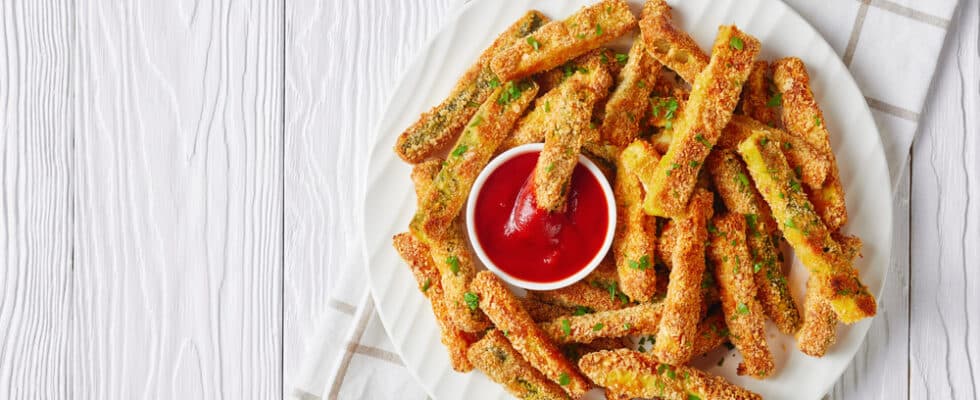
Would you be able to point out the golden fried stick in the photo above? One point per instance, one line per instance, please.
(682, 306)
(756, 97)
(707, 111)
(812, 165)
(636, 320)
(550, 79)
(733, 185)
(733, 269)
(636, 374)
(543, 312)
(819, 330)
(495, 357)
(559, 41)
(628, 103)
(506, 313)
(837, 280)
(437, 127)
(472, 151)
(422, 175)
(563, 137)
(587, 72)
(416, 255)
(674, 48)
(599, 296)
(452, 256)
(666, 244)
(802, 117)
(636, 233)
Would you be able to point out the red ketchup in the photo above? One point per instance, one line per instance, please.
(532, 244)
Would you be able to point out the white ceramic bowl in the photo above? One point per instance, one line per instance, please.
(478, 248)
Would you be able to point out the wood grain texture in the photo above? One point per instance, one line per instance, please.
(178, 232)
(343, 60)
(945, 281)
(35, 202)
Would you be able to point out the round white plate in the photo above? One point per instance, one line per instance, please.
(390, 200)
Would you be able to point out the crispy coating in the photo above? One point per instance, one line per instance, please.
(635, 374)
(713, 98)
(454, 259)
(588, 72)
(495, 357)
(628, 103)
(666, 244)
(682, 306)
(733, 270)
(641, 319)
(422, 176)
(530, 341)
(812, 165)
(416, 255)
(583, 64)
(802, 117)
(819, 330)
(437, 127)
(543, 312)
(756, 95)
(592, 293)
(836, 280)
(559, 41)
(634, 243)
(733, 184)
(674, 48)
(473, 149)
(712, 332)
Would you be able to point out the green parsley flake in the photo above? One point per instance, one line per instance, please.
(603, 58)
(742, 180)
(691, 396)
(472, 300)
(459, 150)
(495, 82)
(582, 310)
(757, 267)
(627, 326)
(702, 140)
(752, 220)
(694, 164)
(775, 101)
(550, 167)
(598, 29)
(742, 308)
(426, 285)
(642, 264)
(566, 327)
(563, 379)
(622, 58)
(736, 43)
(597, 327)
(453, 262)
(547, 106)
(533, 42)
(789, 223)
(816, 120)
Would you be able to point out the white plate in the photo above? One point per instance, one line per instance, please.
(390, 200)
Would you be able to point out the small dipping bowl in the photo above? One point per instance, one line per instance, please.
(472, 220)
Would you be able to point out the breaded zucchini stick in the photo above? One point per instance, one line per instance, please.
(506, 313)
(819, 330)
(636, 374)
(636, 233)
(472, 151)
(422, 175)
(559, 41)
(543, 312)
(802, 117)
(416, 255)
(812, 165)
(674, 48)
(757, 102)
(682, 306)
(582, 294)
(628, 103)
(666, 244)
(733, 185)
(436, 128)
(495, 357)
(733, 269)
(452, 256)
(641, 319)
(837, 280)
(713, 97)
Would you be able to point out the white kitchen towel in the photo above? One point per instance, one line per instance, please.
(890, 46)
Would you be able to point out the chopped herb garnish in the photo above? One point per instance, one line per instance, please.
(816, 120)
(547, 106)
(742, 180)
(742, 308)
(453, 262)
(622, 58)
(495, 82)
(603, 58)
(702, 140)
(694, 164)
(459, 150)
(566, 327)
(642, 264)
(756, 267)
(691, 396)
(580, 36)
(582, 310)
(736, 43)
(550, 167)
(426, 285)
(764, 141)
(472, 300)
(752, 220)
(598, 29)
(787, 145)
(672, 167)
(789, 223)
(627, 326)
(533, 42)
(794, 185)
(775, 101)
(563, 379)
(597, 327)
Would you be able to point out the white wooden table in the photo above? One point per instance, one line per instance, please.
(178, 179)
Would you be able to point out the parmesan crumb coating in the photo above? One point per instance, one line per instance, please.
(558, 41)
(502, 364)
(819, 330)
(810, 164)
(634, 243)
(543, 312)
(802, 117)
(835, 277)
(713, 98)
(594, 294)
(628, 103)
(505, 311)
(451, 254)
(436, 128)
(641, 319)
(635, 374)
(682, 306)
(416, 255)
(733, 269)
(673, 48)
(756, 98)
(488, 127)
(733, 184)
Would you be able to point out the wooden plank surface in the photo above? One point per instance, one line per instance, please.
(178, 200)
(35, 203)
